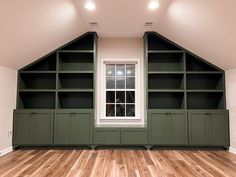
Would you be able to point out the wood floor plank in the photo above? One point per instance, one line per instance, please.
(117, 163)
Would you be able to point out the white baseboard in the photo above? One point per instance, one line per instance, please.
(233, 150)
(6, 150)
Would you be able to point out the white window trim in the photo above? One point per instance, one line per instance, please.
(140, 120)
(104, 117)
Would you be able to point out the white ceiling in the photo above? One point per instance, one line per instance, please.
(32, 28)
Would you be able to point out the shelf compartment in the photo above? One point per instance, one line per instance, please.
(165, 81)
(157, 43)
(84, 43)
(75, 100)
(46, 64)
(204, 81)
(166, 100)
(195, 64)
(37, 81)
(76, 61)
(75, 81)
(36, 100)
(205, 100)
(165, 62)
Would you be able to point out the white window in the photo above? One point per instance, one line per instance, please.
(120, 91)
(120, 101)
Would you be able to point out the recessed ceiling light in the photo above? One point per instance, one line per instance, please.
(90, 5)
(153, 5)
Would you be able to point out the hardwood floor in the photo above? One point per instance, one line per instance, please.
(117, 163)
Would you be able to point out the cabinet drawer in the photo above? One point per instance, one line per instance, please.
(105, 136)
(134, 136)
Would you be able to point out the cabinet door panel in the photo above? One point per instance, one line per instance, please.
(219, 129)
(158, 128)
(22, 128)
(81, 128)
(43, 127)
(107, 136)
(134, 136)
(62, 128)
(198, 128)
(178, 129)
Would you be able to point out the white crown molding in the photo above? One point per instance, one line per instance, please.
(6, 150)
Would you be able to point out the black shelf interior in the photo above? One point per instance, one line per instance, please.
(195, 64)
(166, 100)
(76, 61)
(157, 43)
(165, 62)
(75, 81)
(75, 100)
(204, 81)
(37, 81)
(205, 100)
(84, 43)
(37, 100)
(165, 81)
(46, 64)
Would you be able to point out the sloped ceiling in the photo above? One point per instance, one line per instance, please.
(32, 28)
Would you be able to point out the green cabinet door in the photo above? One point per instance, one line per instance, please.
(73, 127)
(62, 126)
(198, 128)
(43, 128)
(33, 127)
(22, 127)
(134, 136)
(178, 128)
(209, 128)
(158, 127)
(82, 127)
(219, 128)
(107, 136)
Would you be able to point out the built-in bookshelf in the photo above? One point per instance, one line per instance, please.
(178, 79)
(63, 79)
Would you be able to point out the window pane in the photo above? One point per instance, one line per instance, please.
(130, 83)
(130, 97)
(110, 97)
(120, 82)
(120, 70)
(110, 82)
(110, 70)
(120, 97)
(120, 110)
(130, 70)
(110, 110)
(130, 110)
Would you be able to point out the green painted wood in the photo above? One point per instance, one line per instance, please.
(43, 128)
(209, 127)
(82, 128)
(62, 128)
(167, 127)
(22, 127)
(107, 136)
(198, 128)
(33, 127)
(219, 128)
(158, 124)
(134, 136)
(178, 128)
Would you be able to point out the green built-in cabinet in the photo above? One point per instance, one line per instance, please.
(74, 127)
(33, 127)
(185, 96)
(185, 99)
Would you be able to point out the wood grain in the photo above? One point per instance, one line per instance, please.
(117, 163)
